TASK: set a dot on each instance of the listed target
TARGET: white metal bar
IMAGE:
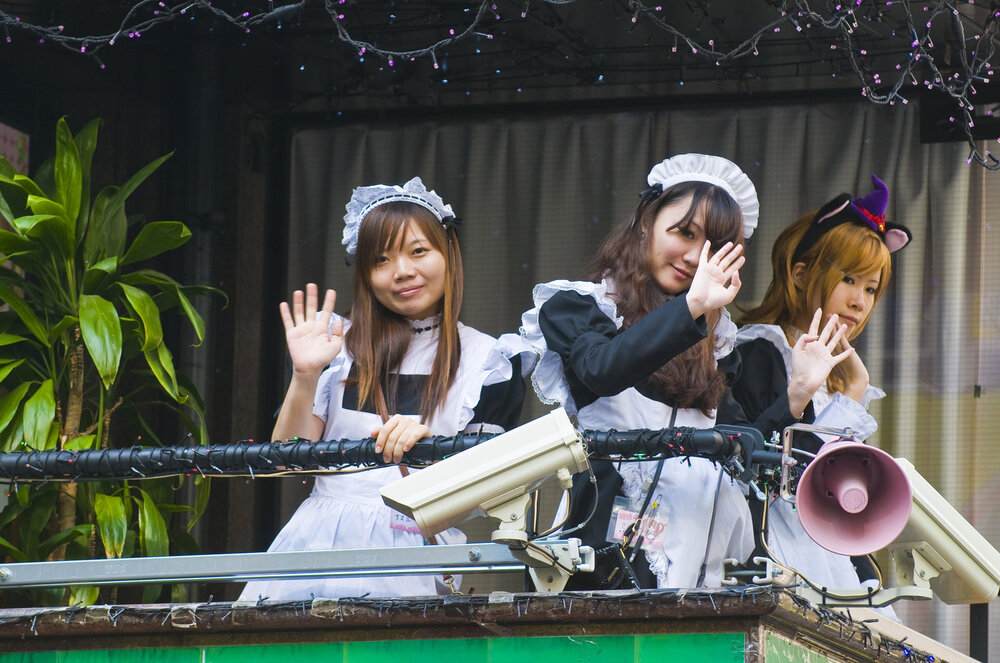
(238, 567)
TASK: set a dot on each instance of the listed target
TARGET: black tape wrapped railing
(249, 458)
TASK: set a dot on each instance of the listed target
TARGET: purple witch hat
(867, 211)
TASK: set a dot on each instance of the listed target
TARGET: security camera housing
(490, 474)
(963, 566)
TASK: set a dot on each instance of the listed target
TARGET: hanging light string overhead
(851, 35)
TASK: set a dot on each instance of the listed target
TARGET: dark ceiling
(323, 58)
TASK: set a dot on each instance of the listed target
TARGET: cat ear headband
(366, 198)
(867, 211)
(721, 172)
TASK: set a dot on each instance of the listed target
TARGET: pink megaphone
(853, 499)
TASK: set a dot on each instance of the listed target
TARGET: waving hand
(717, 279)
(312, 343)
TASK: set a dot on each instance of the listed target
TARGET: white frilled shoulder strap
(549, 379)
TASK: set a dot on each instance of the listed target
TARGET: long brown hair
(691, 379)
(379, 338)
(849, 247)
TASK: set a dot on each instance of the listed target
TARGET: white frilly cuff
(549, 379)
(725, 336)
(843, 411)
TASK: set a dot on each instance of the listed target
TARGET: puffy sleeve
(761, 387)
(578, 335)
(334, 374)
(497, 405)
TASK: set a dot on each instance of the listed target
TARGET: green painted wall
(783, 650)
(690, 648)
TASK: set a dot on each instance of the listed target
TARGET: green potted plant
(81, 346)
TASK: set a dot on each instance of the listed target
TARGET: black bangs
(722, 216)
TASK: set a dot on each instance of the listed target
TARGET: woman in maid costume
(645, 342)
(399, 368)
(830, 269)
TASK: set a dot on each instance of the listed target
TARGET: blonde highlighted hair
(848, 248)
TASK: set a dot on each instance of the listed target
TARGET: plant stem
(70, 431)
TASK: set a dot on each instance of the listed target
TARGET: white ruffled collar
(426, 325)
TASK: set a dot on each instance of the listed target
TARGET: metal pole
(240, 567)
(979, 631)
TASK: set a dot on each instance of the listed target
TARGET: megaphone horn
(853, 499)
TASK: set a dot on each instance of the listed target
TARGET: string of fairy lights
(892, 48)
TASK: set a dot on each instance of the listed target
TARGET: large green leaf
(97, 278)
(108, 226)
(175, 293)
(148, 313)
(149, 277)
(6, 369)
(83, 595)
(203, 490)
(112, 523)
(192, 314)
(12, 551)
(102, 334)
(152, 529)
(6, 169)
(13, 199)
(68, 172)
(192, 403)
(11, 511)
(183, 543)
(63, 537)
(42, 205)
(53, 230)
(28, 185)
(61, 326)
(86, 144)
(39, 413)
(10, 339)
(161, 362)
(42, 504)
(45, 178)
(26, 315)
(12, 244)
(133, 182)
(81, 443)
(155, 238)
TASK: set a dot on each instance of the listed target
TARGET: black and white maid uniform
(346, 510)
(598, 372)
(762, 391)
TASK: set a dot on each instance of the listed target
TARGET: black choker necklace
(419, 330)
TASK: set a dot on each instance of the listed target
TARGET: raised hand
(398, 435)
(814, 355)
(312, 343)
(717, 279)
(857, 374)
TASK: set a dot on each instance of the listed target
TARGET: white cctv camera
(941, 548)
(496, 476)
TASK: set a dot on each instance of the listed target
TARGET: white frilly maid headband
(721, 172)
(366, 198)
